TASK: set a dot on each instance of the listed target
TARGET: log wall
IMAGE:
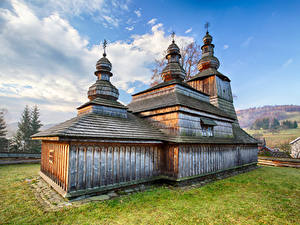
(55, 168)
(102, 165)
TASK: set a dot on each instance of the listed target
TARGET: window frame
(51, 156)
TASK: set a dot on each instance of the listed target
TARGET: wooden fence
(281, 162)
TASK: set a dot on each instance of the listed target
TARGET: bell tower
(210, 81)
(173, 69)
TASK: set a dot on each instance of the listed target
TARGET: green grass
(268, 195)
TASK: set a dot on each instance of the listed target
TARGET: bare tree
(190, 55)
(158, 67)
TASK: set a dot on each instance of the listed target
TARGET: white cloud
(75, 7)
(130, 90)
(111, 20)
(188, 30)
(152, 21)
(247, 41)
(105, 11)
(129, 28)
(225, 47)
(288, 62)
(45, 61)
(138, 13)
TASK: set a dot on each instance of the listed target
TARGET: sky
(48, 49)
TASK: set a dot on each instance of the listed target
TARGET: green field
(277, 139)
(268, 195)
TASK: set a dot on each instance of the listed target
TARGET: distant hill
(247, 117)
(12, 128)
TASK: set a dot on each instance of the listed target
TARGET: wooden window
(210, 130)
(51, 156)
(207, 131)
(207, 126)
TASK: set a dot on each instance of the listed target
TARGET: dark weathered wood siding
(191, 160)
(57, 169)
(101, 165)
(196, 160)
(82, 167)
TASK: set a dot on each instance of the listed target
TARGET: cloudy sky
(48, 49)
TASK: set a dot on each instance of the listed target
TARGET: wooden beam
(46, 138)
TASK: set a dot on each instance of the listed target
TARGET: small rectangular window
(210, 131)
(207, 126)
(51, 156)
(207, 131)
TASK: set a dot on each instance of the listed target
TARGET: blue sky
(49, 48)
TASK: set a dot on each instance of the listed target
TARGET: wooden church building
(176, 130)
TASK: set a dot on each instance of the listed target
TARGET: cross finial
(104, 47)
(173, 36)
(206, 26)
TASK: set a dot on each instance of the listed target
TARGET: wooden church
(176, 130)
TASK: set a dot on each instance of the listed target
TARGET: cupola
(173, 69)
(208, 60)
(103, 87)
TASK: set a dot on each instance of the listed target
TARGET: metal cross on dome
(207, 26)
(104, 46)
(173, 36)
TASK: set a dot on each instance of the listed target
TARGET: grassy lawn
(268, 195)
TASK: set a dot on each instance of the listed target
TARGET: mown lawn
(268, 195)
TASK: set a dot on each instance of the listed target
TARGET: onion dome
(207, 39)
(173, 49)
(103, 64)
(173, 69)
(208, 60)
(103, 88)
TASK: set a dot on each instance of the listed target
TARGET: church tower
(173, 69)
(210, 81)
(103, 95)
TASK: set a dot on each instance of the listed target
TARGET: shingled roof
(105, 102)
(239, 137)
(174, 99)
(168, 83)
(208, 72)
(93, 125)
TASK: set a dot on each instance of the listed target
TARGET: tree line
(273, 124)
(28, 125)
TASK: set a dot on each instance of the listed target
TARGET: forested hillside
(247, 117)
